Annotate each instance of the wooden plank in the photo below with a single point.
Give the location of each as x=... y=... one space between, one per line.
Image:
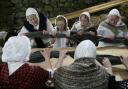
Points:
x=93 y=9
x=115 y=51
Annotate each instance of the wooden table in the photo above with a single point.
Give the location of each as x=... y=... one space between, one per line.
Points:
x=118 y=70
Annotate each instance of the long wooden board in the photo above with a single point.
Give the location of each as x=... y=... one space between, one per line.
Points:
x=93 y=9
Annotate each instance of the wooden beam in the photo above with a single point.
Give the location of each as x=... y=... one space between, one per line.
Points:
x=92 y=9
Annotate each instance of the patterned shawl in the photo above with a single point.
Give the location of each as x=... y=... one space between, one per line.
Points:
x=82 y=74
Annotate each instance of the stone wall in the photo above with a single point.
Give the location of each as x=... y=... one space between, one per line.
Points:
x=13 y=11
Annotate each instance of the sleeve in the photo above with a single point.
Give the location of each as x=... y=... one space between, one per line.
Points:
x=44 y=74
x=125 y=27
x=3 y=34
x=104 y=32
x=100 y=31
x=68 y=32
x=73 y=28
x=112 y=82
x=49 y=26
x=54 y=30
x=22 y=31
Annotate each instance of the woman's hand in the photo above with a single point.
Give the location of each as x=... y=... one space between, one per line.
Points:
x=80 y=32
x=62 y=55
x=46 y=53
x=126 y=35
x=108 y=66
x=124 y=60
x=92 y=33
x=111 y=37
x=45 y=32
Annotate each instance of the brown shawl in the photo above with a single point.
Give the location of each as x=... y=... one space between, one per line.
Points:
x=82 y=74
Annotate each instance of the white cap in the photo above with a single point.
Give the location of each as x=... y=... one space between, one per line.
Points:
x=114 y=12
x=16 y=49
x=85 y=49
x=87 y=14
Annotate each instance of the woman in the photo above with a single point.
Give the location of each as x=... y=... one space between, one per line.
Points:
x=36 y=22
x=15 y=73
x=61 y=26
x=84 y=73
x=112 y=27
x=84 y=24
x=84 y=29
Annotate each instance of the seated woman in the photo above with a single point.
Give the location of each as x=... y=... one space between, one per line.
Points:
x=15 y=73
x=84 y=23
x=112 y=27
x=84 y=73
x=83 y=29
x=61 y=26
x=36 y=22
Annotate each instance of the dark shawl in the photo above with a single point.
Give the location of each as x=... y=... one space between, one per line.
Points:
x=42 y=26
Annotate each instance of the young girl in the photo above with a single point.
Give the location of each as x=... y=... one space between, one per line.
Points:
x=61 y=26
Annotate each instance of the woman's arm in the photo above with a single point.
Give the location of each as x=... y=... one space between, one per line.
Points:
x=22 y=31
x=106 y=65
x=59 y=63
x=124 y=60
x=49 y=27
x=46 y=54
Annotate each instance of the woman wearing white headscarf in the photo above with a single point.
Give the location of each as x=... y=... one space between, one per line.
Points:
x=84 y=23
x=36 y=22
x=112 y=27
x=84 y=73
x=15 y=73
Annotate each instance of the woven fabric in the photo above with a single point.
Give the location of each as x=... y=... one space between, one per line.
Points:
x=26 y=77
x=82 y=74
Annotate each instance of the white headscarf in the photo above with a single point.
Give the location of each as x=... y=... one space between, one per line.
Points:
x=114 y=12
x=117 y=13
x=87 y=14
x=63 y=17
x=86 y=48
x=31 y=11
x=16 y=52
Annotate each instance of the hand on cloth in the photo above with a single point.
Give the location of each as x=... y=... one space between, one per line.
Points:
x=124 y=60
x=111 y=37
x=80 y=32
x=126 y=35
x=45 y=32
x=107 y=65
x=62 y=56
x=46 y=53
